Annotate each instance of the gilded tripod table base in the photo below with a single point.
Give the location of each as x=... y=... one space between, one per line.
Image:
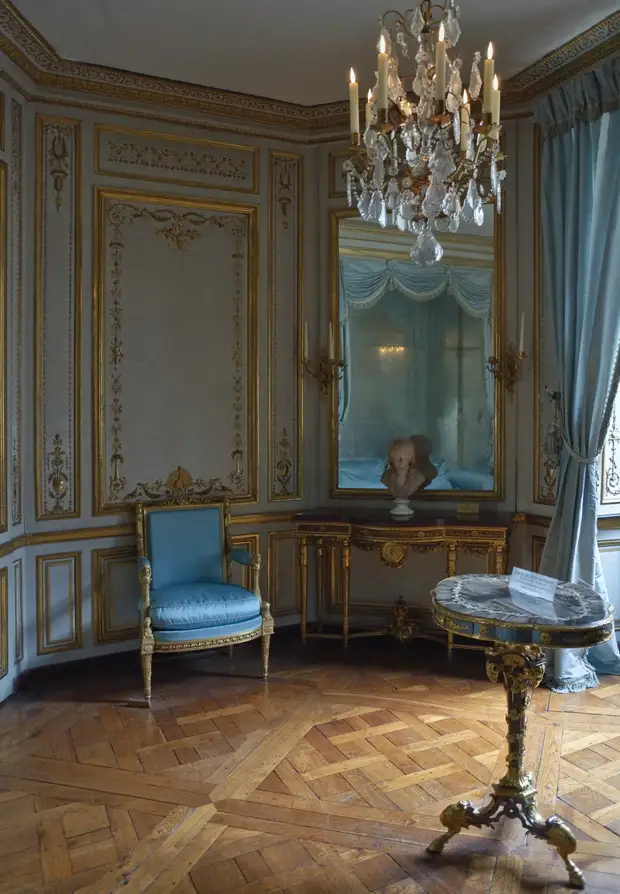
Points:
x=521 y=668
x=486 y=607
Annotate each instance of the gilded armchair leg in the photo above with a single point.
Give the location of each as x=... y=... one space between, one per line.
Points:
x=147 y=664
x=265 y=641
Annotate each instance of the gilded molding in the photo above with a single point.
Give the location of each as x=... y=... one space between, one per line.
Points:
x=18 y=610
x=157 y=157
x=116 y=210
x=58 y=234
x=2 y=121
x=284 y=596
x=285 y=277
x=48 y=612
x=3 y=349
x=102 y=560
x=26 y=47
x=17 y=309
x=4 y=622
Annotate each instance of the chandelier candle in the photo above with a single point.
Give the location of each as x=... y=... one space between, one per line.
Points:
x=497 y=95
x=354 y=107
x=489 y=74
x=421 y=164
x=382 y=75
x=440 y=69
x=465 y=124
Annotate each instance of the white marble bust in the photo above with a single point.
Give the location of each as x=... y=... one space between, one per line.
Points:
x=401 y=477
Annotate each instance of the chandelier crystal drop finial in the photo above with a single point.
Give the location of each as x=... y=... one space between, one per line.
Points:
x=429 y=157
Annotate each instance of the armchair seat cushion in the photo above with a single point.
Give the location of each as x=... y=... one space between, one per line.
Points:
x=203 y=605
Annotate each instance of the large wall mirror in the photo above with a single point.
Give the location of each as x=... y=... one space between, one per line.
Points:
x=415 y=342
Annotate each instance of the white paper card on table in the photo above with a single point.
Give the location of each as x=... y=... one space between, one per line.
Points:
x=532 y=584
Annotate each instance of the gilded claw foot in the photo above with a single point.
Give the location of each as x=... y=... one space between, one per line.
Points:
x=460 y=816
x=559 y=836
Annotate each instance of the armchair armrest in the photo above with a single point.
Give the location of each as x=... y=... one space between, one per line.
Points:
x=241 y=556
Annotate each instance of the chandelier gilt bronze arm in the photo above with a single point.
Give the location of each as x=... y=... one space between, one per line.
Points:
x=429 y=157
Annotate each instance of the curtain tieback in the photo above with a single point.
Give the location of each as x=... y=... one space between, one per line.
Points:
x=584 y=460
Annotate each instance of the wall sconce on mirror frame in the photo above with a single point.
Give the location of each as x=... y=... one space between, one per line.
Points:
x=507 y=369
x=328 y=369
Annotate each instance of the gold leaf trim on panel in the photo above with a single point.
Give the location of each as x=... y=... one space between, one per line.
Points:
x=197 y=160
x=286 y=185
x=3 y=349
x=17 y=310
x=58 y=179
x=179 y=487
x=57 y=480
x=46 y=612
x=118 y=209
x=101 y=561
x=18 y=609
x=4 y=622
x=274 y=540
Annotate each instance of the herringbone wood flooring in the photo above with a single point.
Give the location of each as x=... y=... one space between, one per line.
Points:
x=330 y=779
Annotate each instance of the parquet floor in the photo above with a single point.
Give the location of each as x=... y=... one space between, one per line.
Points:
x=329 y=780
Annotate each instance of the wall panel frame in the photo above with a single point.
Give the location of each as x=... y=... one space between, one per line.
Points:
x=58 y=326
x=4 y=622
x=3 y=351
x=59 y=602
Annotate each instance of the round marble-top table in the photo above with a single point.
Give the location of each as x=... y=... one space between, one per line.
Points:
x=484 y=606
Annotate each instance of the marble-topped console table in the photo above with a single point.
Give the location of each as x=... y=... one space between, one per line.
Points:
x=483 y=606
x=333 y=533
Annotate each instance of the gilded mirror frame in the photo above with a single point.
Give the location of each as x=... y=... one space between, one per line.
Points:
x=335 y=216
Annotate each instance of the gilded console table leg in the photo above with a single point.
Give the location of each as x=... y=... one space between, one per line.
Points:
x=451 y=559
x=346 y=577
x=320 y=579
x=303 y=585
x=514 y=796
x=500 y=559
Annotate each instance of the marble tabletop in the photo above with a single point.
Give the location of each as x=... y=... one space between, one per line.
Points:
x=489 y=597
x=483 y=606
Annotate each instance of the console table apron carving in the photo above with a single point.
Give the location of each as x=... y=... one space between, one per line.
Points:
x=483 y=607
x=334 y=532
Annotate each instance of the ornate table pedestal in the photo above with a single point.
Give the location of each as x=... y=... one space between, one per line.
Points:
x=481 y=606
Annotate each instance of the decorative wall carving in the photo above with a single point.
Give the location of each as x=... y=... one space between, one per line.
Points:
x=285 y=316
x=3 y=347
x=59 y=602
x=175 y=323
x=611 y=459
x=58 y=228
x=141 y=155
x=17 y=311
x=116 y=594
x=18 y=610
x=336 y=182
x=4 y=622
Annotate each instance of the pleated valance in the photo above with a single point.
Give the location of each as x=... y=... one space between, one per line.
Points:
x=364 y=282
x=583 y=98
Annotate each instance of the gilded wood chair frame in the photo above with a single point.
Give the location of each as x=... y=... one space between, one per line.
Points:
x=148 y=642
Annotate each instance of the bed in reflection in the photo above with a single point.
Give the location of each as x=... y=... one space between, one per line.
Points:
x=365 y=474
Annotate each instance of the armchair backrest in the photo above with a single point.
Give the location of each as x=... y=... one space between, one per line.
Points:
x=184 y=544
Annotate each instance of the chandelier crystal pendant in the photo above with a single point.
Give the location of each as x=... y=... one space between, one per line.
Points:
x=430 y=156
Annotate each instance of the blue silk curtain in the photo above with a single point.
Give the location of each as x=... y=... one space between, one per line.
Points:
x=580 y=204
x=364 y=282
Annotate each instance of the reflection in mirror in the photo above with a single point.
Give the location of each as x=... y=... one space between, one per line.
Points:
x=415 y=341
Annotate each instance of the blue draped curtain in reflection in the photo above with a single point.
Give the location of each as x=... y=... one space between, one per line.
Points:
x=364 y=282
x=580 y=202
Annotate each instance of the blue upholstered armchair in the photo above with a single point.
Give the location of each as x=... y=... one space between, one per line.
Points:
x=188 y=601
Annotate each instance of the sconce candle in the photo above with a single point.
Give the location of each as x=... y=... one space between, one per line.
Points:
x=440 y=66
x=382 y=75
x=354 y=104
x=489 y=73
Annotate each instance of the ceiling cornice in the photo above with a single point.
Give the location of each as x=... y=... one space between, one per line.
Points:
x=29 y=50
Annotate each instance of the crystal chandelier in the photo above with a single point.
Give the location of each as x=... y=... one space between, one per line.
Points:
x=430 y=156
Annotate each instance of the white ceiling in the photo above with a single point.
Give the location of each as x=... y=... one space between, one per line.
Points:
x=295 y=50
